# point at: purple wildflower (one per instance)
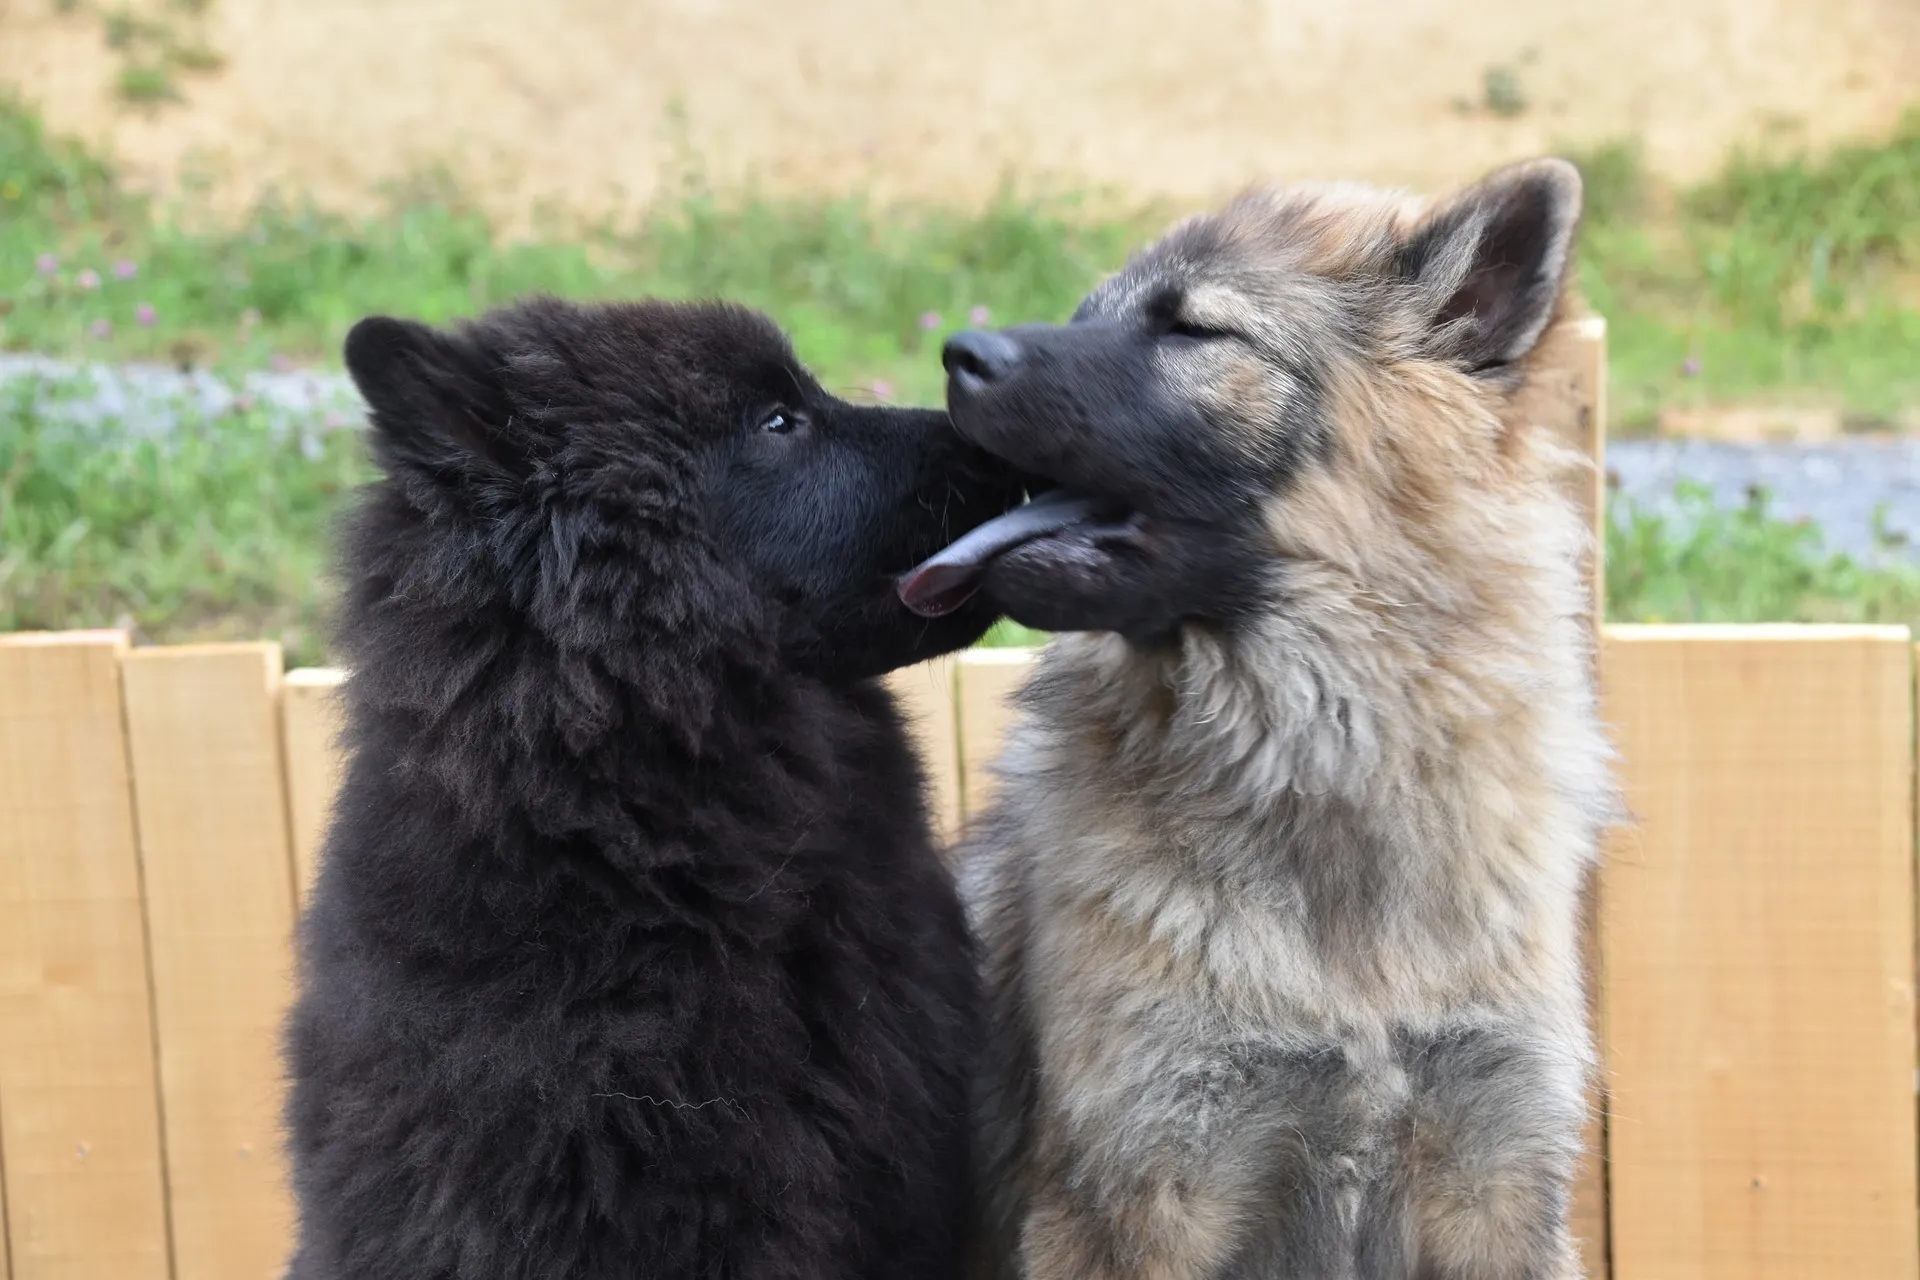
(47, 264)
(88, 279)
(979, 315)
(146, 315)
(930, 320)
(882, 389)
(125, 269)
(1690, 367)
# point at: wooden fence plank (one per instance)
(1578, 418)
(1581, 425)
(987, 681)
(310, 721)
(925, 694)
(79, 1114)
(204, 732)
(1758, 937)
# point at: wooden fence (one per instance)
(160, 810)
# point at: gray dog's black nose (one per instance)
(980, 357)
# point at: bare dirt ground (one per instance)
(581, 104)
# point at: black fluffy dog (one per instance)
(630, 954)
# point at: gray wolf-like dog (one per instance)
(1279, 896)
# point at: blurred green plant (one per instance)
(1501, 92)
(146, 83)
(218, 529)
(1700, 562)
(154, 44)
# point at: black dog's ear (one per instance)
(1491, 263)
(435, 398)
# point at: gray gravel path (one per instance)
(1837, 484)
(144, 399)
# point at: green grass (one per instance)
(218, 531)
(1784, 278)
(1710, 564)
(866, 291)
(1781, 279)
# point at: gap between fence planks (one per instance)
(925, 697)
(79, 1114)
(6, 1262)
(984, 698)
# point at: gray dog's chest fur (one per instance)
(1274, 960)
(1276, 977)
(1315, 923)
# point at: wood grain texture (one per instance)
(310, 723)
(203, 727)
(79, 1114)
(925, 695)
(1758, 934)
(987, 681)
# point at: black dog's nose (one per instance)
(980, 357)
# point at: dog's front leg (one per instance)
(1248, 1165)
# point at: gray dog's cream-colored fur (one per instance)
(1280, 911)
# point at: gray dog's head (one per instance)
(1279, 400)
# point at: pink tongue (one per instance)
(946, 581)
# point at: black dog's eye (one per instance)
(781, 422)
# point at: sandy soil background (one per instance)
(582, 103)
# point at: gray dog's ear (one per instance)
(1489, 263)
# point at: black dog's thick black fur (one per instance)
(630, 954)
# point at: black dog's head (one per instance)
(629, 473)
